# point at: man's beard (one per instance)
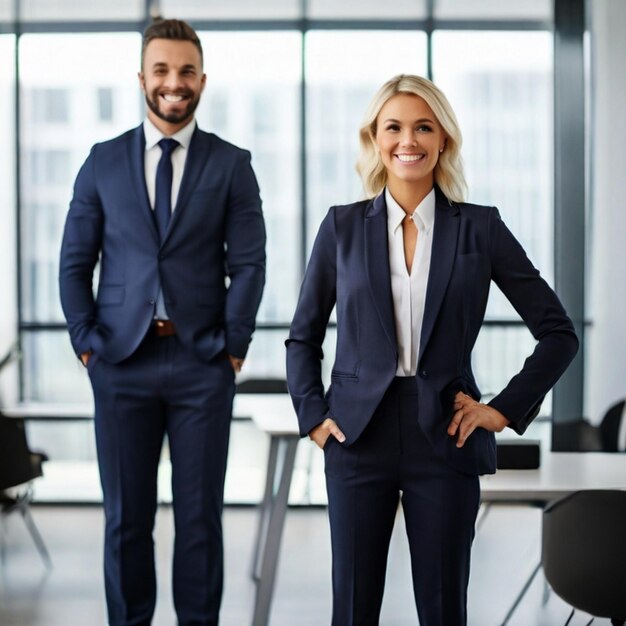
(173, 118)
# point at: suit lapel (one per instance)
(194, 164)
(445, 236)
(377, 264)
(136, 157)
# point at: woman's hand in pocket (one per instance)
(328, 428)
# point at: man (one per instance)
(171, 222)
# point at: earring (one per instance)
(440, 149)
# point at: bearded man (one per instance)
(173, 216)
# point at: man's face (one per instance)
(172, 80)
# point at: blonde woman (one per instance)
(409, 270)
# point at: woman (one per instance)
(409, 272)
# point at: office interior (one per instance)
(539, 88)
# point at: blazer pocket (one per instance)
(338, 374)
(110, 295)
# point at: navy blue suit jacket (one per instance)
(349, 268)
(216, 232)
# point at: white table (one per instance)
(560, 474)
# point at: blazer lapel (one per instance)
(136, 156)
(445, 236)
(194, 164)
(377, 265)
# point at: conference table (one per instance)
(559, 474)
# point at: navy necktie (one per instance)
(163, 186)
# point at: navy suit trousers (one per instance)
(391, 462)
(162, 390)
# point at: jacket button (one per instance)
(151, 301)
(423, 374)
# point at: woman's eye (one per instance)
(424, 128)
(393, 127)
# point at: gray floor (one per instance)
(505, 551)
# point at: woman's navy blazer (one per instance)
(349, 269)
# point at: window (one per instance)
(367, 9)
(8, 212)
(49, 105)
(252, 99)
(500, 86)
(294, 95)
(493, 10)
(67, 10)
(66, 108)
(343, 71)
(232, 10)
(105, 104)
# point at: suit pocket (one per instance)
(342, 375)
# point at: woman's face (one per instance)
(409, 138)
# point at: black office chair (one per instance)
(584, 552)
(612, 422)
(19, 466)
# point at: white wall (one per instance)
(605, 358)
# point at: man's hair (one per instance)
(176, 30)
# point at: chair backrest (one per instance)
(584, 551)
(613, 428)
(262, 385)
(16, 463)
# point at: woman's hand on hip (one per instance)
(328, 428)
(470, 415)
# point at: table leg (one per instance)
(269, 542)
(265, 509)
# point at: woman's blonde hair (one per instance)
(449, 169)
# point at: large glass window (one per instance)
(295, 98)
(500, 86)
(67, 10)
(8, 213)
(6, 11)
(252, 99)
(60, 121)
(493, 10)
(232, 10)
(366, 9)
(343, 70)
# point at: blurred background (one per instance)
(538, 87)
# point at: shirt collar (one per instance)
(154, 135)
(423, 216)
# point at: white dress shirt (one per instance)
(409, 291)
(153, 156)
(151, 161)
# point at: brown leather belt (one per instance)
(164, 328)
